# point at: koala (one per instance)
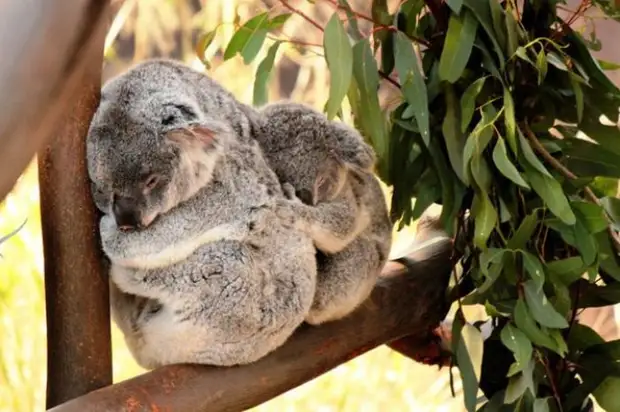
(328, 168)
(204, 269)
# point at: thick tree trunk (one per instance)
(405, 302)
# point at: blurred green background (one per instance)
(380, 380)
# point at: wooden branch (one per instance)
(46, 48)
(76, 289)
(404, 303)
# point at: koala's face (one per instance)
(145, 157)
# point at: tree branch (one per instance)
(76, 290)
(404, 302)
(38, 81)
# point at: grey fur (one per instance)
(348, 221)
(215, 275)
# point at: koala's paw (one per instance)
(289, 192)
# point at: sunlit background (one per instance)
(380, 380)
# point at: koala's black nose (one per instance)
(125, 213)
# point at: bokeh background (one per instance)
(381, 380)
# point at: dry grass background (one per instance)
(381, 380)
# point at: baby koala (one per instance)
(327, 166)
(203, 269)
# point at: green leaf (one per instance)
(485, 219)
(458, 45)
(541, 405)
(541, 64)
(469, 356)
(498, 19)
(591, 215)
(584, 241)
(454, 139)
(530, 156)
(455, 5)
(512, 29)
(607, 65)
(555, 60)
(534, 268)
(483, 14)
(587, 159)
(479, 137)
(505, 166)
(519, 344)
(468, 102)
(527, 325)
(510, 120)
(203, 43)
(524, 232)
(517, 385)
(542, 310)
(568, 270)
(248, 39)
(354, 30)
(578, 96)
(263, 73)
(552, 194)
(606, 394)
(278, 21)
(339, 57)
(612, 208)
(371, 116)
(413, 85)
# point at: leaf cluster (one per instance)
(494, 102)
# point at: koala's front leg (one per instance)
(332, 225)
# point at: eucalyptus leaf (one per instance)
(505, 166)
(519, 344)
(483, 14)
(552, 194)
(541, 309)
(541, 64)
(412, 79)
(263, 73)
(568, 270)
(249, 38)
(339, 57)
(366, 77)
(468, 102)
(485, 220)
(530, 156)
(469, 356)
(525, 322)
(534, 267)
(524, 232)
(458, 45)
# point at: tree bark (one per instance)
(77, 307)
(406, 302)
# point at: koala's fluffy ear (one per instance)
(330, 180)
(205, 137)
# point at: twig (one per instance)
(379, 25)
(303, 15)
(554, 389)
(389, 79)
(568, 174)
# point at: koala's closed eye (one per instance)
(177, 113)
(151, 181)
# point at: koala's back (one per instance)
(297, 140)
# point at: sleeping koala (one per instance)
(328, 167)
(204, 269)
